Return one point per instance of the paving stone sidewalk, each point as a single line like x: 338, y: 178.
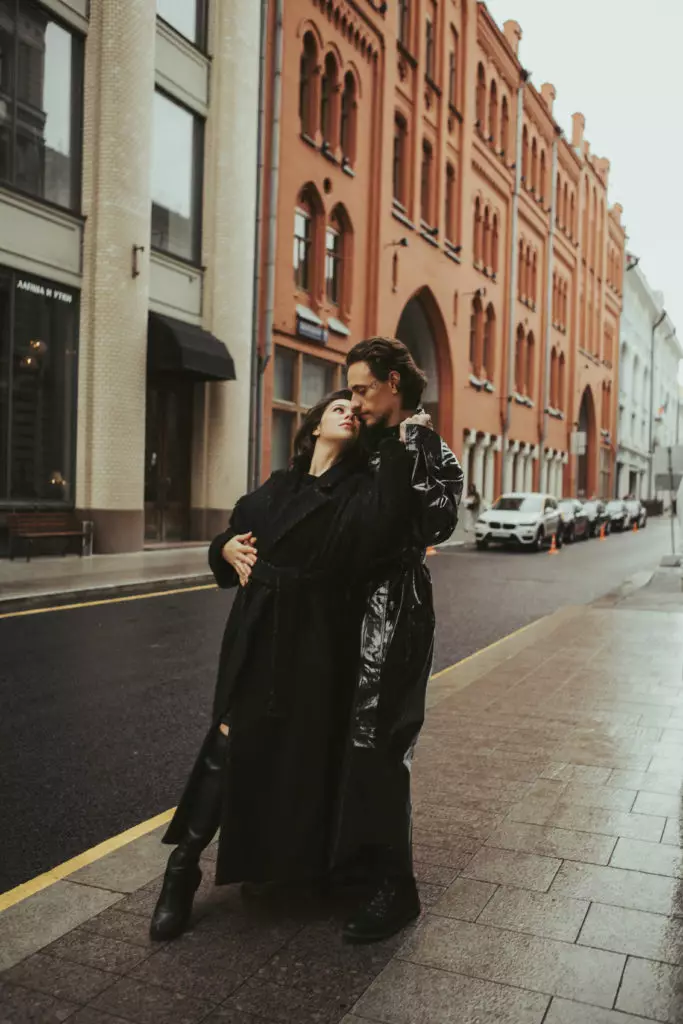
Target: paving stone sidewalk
x: 548, y: 843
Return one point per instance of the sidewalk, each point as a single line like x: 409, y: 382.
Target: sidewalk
x: 548, y: 848
x: 48, y: 577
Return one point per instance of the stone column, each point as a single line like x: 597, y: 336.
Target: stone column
x: 469, y: 441
x: 229, y: 235
x: 528, y: 470
x: 490, y: 472
x: 478, y: 470
x: 119, y: 92
x: 508, y: 457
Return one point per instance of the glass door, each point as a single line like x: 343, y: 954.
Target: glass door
x: 168, y: 442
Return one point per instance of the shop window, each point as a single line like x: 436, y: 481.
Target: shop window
x: 426, y: 189
x: 177, y: 165
x: 41, y: 104
x: 450, y: 204
x: 400, y: 165
x: 307, y: 85
x: 188, y: 17
x: 299, y: 381
x: 348, y: 119
x: 453, y: 69
x: 38, y: 363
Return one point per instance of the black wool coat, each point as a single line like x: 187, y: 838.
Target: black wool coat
x: 289, y: 660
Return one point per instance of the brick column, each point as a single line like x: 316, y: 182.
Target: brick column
x: 119, y: 88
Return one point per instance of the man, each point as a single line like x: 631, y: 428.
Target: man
x: 397, y: 642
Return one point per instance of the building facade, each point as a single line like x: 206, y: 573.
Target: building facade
x: 649, y: 359
x: 128, y: 170
x: 424, y: 190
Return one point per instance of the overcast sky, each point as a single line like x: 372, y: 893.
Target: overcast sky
x: 618, y: 62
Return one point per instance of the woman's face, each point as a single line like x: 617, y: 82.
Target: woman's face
x: 339, y: 424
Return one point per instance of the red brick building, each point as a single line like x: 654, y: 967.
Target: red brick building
x: 424, y: 190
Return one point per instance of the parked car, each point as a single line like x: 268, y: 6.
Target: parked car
x: 598, y: 516
x: 637, y: 513
x: 618, y: 514
x: 575, y: 521
x: 527, y: 519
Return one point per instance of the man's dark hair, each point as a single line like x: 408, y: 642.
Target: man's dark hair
x: 304, y: 442
x: 387, y: 355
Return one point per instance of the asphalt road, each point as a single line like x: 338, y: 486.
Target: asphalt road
x: 103, y: 708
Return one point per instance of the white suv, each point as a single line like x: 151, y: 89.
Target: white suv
x: 527, y: 519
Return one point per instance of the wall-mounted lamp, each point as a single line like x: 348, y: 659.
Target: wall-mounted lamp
x: 401, y: 243
x: 137, y: 249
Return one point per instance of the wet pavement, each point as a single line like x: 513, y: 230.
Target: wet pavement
x: 548, y: 846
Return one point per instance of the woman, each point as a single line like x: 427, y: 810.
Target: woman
x: 473, y: 505
x: 268, y: 772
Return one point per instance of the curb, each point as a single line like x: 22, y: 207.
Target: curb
x: 101, y: 593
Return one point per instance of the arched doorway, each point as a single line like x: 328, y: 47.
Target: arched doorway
x: 586, y: 476
x: 421, y: 328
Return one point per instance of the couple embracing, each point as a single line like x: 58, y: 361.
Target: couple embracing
x: 326, y: 657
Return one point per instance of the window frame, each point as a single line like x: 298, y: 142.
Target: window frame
x: 201, y: 27
x: 296, y: 408
x: 308, y: 243
x: 427, y: 183
x: 399, y: 161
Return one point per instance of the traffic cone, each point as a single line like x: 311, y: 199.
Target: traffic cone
x: 431, y: 551
x: 553, y: 547
x: 635, y: 527
x: 602, y: 531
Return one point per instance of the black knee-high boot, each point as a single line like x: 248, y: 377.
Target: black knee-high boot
x: 183, y: 873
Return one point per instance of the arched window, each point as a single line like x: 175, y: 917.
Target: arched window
x: 453, y: 69
x: 585, y: 241
x: 494, y: 244
x: 478, y: 235
x: 565, y: 303
x: 525, y: 156
x: 489, y: 343
x: 572, y: 217
x: 521, y: 271
x: 404, y: 22
x: 431, y: 46
x: 520, y: 353
x: 328, y: 102
x: 481, y: 99
x: 529, y: 277
x: 534, y: 166
x: 561, y: 384
x: 307, y: 85
x: 450, y: 204
x: 554, y: 382
x: 306, y: 221
x: 487, y: 238
x: 504, y: 126
x: 493, y: 114
x: 349, y: 106
x: 530, y: 365
x: 426, y: 189
x: 534, y: 277
x: 542, y: 178
x: 565, y: 207
x: 338, y: 242
x: 554, y: 314
x: 400, y: 168
x: 476, y: 335
x: 558, y: 201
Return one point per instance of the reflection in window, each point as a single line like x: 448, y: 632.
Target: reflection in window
x: 282, y: 436
x: 176, y: 179
x: 40, y: 104
x: 283, y: 383
x: 300, y: 381
x: 317, y: 380
x: 302, y: 249
x: 333, y: 258
x: 186, y: 17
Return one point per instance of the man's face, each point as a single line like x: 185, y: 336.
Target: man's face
x: 375, y: 402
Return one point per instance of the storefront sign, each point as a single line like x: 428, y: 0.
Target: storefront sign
x: 310, y: 331
x: 44, y: 291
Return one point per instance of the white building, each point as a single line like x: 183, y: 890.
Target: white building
x: 649, y: 358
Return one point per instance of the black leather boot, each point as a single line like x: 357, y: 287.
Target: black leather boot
x: 393, y: 905
x: 183, y: 874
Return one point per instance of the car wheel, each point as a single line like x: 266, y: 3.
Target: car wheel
x: 482, y: 545
x: 538, y: 540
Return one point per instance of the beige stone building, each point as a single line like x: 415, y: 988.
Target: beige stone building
x: 128, y: 170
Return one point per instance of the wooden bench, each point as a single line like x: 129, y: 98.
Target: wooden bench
x: 32, y: 526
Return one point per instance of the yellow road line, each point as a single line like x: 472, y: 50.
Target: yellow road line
x: 107, y: 600
x: 34, y: 885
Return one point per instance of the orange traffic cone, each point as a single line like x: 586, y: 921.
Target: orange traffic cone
x: 431, y: 551
x: 553, y: 547
x: 635, y: 527
x: 602, y: 531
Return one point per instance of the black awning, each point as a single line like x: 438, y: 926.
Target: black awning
x: 177, y: 347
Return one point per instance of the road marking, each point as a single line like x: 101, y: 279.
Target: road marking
x: 34, y: 885
x: 107, y: 600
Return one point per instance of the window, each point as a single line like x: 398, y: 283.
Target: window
x: 525, y: 156
x: 449, y: 213
x: 487, y: 238
x: 529, y: 372
x: 348, y: 119
x: 504, y: 126
x: 561, y: 385
x: 426, y: 182
x: 453, y: 70
x: 554, y: 383
x: 493, y: 114
x: 299, y: 381
x: 400, y: 162
x: 489, y: 343
x: 430, y: 40
x: 476, y: 335
x: 542, y: 178
x: 38, y: 363
x: 521, y: 272
x: 307, y: 85
x: 494, y: 244
x: 332, y: 265
x: 528, y: 274
x: 558, y: 201
x: 481, y: 99
x: 303, y: 239
x: 565, y: 207
x: 478, y: 231
x: 572, y: 217
x: 534, y: 166
x: 177, y: 157
x: 187, y: 17
x: 534, y: 277
x: 520, y: 360
x: 404, y: 22
x: 555, y: 305
x: 41, y: 104
x: 338, y: 238
x: 328, y: 102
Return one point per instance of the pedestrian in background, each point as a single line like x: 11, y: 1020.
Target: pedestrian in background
x: 472, y: 504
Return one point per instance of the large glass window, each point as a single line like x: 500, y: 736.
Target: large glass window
x: 177, y: 159
x: 41, y: 103
x: 299, y: 381
x: 38, y: 331
x: 187, y: 17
